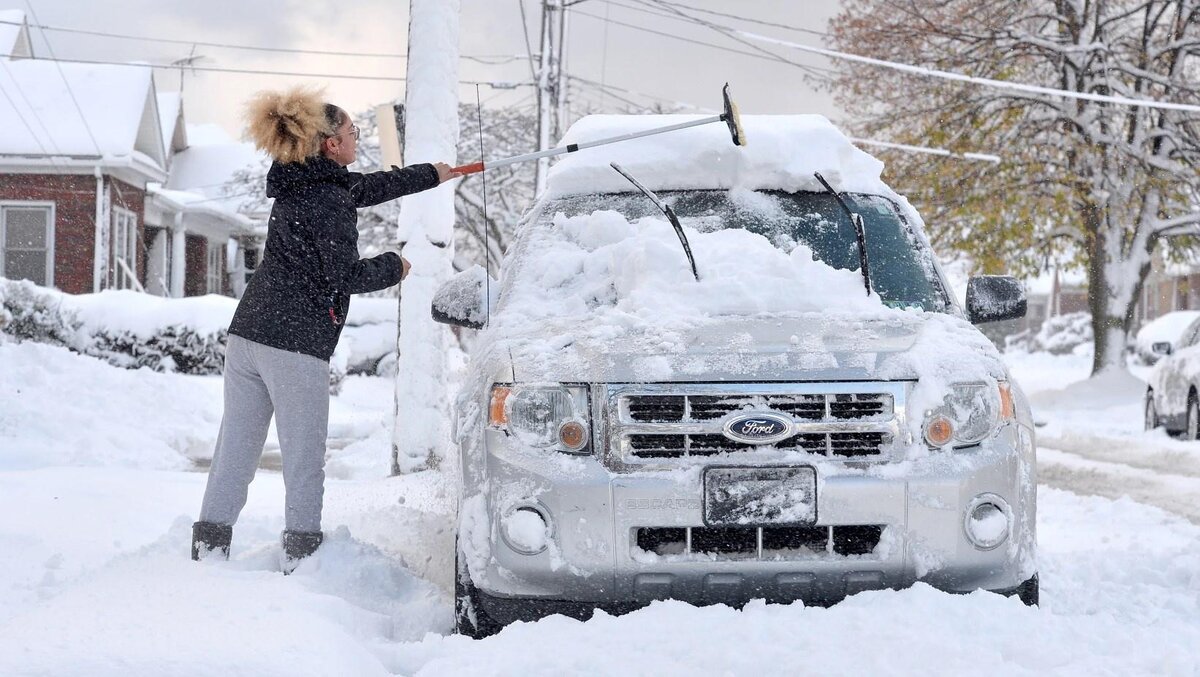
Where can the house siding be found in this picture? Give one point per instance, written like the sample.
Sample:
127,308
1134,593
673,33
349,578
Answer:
74,198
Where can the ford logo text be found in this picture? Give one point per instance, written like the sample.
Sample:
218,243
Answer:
758,428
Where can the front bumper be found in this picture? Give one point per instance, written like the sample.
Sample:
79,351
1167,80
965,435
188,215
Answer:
593,559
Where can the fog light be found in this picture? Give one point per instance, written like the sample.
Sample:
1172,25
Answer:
938,431
573,435
526,530
988,521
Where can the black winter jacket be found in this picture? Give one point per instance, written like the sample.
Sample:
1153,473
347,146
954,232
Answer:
311,263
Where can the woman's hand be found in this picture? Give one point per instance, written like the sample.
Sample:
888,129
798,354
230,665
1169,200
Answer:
404,267
444,172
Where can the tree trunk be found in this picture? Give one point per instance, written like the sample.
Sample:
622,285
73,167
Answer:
1115,280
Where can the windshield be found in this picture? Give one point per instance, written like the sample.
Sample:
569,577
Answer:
901,269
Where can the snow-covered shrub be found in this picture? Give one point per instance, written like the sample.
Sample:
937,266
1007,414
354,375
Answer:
28,313
1062,334
173,348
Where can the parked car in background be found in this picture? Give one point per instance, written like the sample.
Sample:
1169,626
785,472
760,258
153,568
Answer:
1173,389
1161,335
748,423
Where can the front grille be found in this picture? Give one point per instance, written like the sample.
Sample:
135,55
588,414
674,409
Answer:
815,407
846,445
659,424
771,543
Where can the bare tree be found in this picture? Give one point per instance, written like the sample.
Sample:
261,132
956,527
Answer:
1099,181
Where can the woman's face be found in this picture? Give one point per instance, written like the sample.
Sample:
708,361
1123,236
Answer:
342,147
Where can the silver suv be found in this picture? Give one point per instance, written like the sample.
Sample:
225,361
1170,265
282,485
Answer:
777,456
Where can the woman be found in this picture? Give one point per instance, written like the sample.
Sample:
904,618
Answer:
288,321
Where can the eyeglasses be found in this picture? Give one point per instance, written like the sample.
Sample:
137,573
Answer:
353,131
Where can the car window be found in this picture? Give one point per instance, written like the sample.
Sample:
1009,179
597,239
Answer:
902,271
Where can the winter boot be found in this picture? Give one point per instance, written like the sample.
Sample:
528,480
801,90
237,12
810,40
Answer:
297,545
209,538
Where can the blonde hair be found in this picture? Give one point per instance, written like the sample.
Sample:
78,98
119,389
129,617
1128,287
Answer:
290,125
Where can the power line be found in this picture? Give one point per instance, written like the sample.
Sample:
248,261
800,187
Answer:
930,72
249,71
987,82
490,59
40,121
528,47
730,34
811,69
676,17
604,86
745,18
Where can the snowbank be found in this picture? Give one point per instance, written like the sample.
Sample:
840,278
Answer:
62,408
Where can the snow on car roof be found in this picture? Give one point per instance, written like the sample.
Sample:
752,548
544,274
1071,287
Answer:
782,152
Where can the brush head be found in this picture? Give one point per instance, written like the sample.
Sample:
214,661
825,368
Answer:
732,118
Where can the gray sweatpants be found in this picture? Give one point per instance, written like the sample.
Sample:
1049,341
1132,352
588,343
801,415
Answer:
261,381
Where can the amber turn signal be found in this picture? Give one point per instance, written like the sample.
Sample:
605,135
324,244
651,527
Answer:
1007,410
496,414
939,430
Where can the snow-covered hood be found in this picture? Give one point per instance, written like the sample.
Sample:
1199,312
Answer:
896,345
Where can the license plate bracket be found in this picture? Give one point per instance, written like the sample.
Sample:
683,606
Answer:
760,496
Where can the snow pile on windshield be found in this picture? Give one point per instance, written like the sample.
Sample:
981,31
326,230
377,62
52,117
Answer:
607,270
782,152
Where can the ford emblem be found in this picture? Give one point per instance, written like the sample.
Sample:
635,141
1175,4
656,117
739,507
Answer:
758,428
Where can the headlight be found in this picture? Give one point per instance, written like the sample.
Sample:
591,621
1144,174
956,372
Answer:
554,417
968,414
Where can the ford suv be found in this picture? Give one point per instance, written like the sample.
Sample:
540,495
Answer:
719,374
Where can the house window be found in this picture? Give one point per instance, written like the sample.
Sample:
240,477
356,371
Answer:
216,268
27,242
124,267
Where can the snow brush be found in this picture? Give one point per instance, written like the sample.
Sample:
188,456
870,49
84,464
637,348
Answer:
730,117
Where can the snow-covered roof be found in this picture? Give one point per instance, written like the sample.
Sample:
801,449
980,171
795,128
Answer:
202,177
82,110
209,170
782,152
170,120
14,35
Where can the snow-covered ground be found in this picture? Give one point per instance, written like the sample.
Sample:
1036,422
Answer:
99,486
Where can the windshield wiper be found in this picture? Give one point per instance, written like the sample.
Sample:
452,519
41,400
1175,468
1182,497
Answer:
665,209
860,231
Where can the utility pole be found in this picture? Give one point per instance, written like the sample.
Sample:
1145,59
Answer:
426,237
550,85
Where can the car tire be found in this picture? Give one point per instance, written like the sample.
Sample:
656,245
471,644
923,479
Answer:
1192,431
1027,592
470,618
1151,412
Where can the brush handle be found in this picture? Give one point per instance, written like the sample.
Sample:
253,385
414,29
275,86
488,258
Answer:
464,170
571,148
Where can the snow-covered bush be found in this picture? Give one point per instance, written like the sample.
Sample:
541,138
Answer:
173,348
1062,334
28,313
133,330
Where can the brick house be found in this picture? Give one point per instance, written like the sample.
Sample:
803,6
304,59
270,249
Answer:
87,200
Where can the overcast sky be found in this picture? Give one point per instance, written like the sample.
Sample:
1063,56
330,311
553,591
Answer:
604,51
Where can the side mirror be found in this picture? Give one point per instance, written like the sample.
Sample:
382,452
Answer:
461,301
991,298
1161,348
